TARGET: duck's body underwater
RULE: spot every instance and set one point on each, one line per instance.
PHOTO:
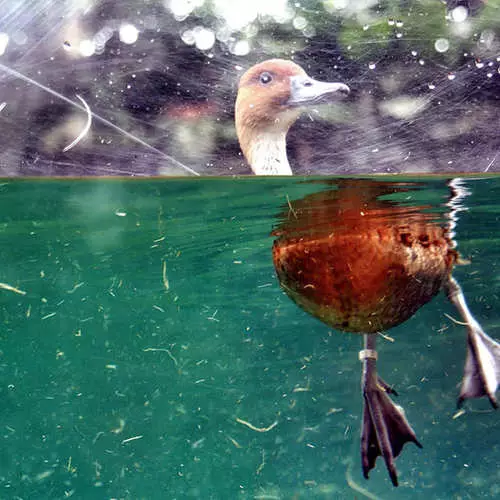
(363, 265)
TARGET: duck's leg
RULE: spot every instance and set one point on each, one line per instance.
(482, 364)
(385, 428)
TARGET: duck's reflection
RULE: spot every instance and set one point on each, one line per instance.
(359, 257)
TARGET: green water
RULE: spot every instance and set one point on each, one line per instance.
(152, 320)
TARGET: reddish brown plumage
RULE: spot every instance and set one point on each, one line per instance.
(261, 108)
(258, 104)
(358, 263)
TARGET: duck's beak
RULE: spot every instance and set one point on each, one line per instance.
(305, 91)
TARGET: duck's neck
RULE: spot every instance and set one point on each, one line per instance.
(266, 153)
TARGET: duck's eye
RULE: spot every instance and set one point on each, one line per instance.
(266, 78)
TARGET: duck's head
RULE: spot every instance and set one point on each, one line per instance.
(271, 96)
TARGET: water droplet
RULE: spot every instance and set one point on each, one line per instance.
(441, 45)
(309, 31)
(188, 37)
(299, 22)
(459, 14)
(487, 37)
(128, 33)
(372, 65)
(4, 40)
(241, 48)
(87, 48)
(204, 38)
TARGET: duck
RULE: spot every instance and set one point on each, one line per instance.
(271, 96)
(362, 263)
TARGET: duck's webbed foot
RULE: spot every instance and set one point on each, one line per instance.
(385, 429)
(482, 364)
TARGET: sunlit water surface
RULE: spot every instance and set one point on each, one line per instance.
(145, 329)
